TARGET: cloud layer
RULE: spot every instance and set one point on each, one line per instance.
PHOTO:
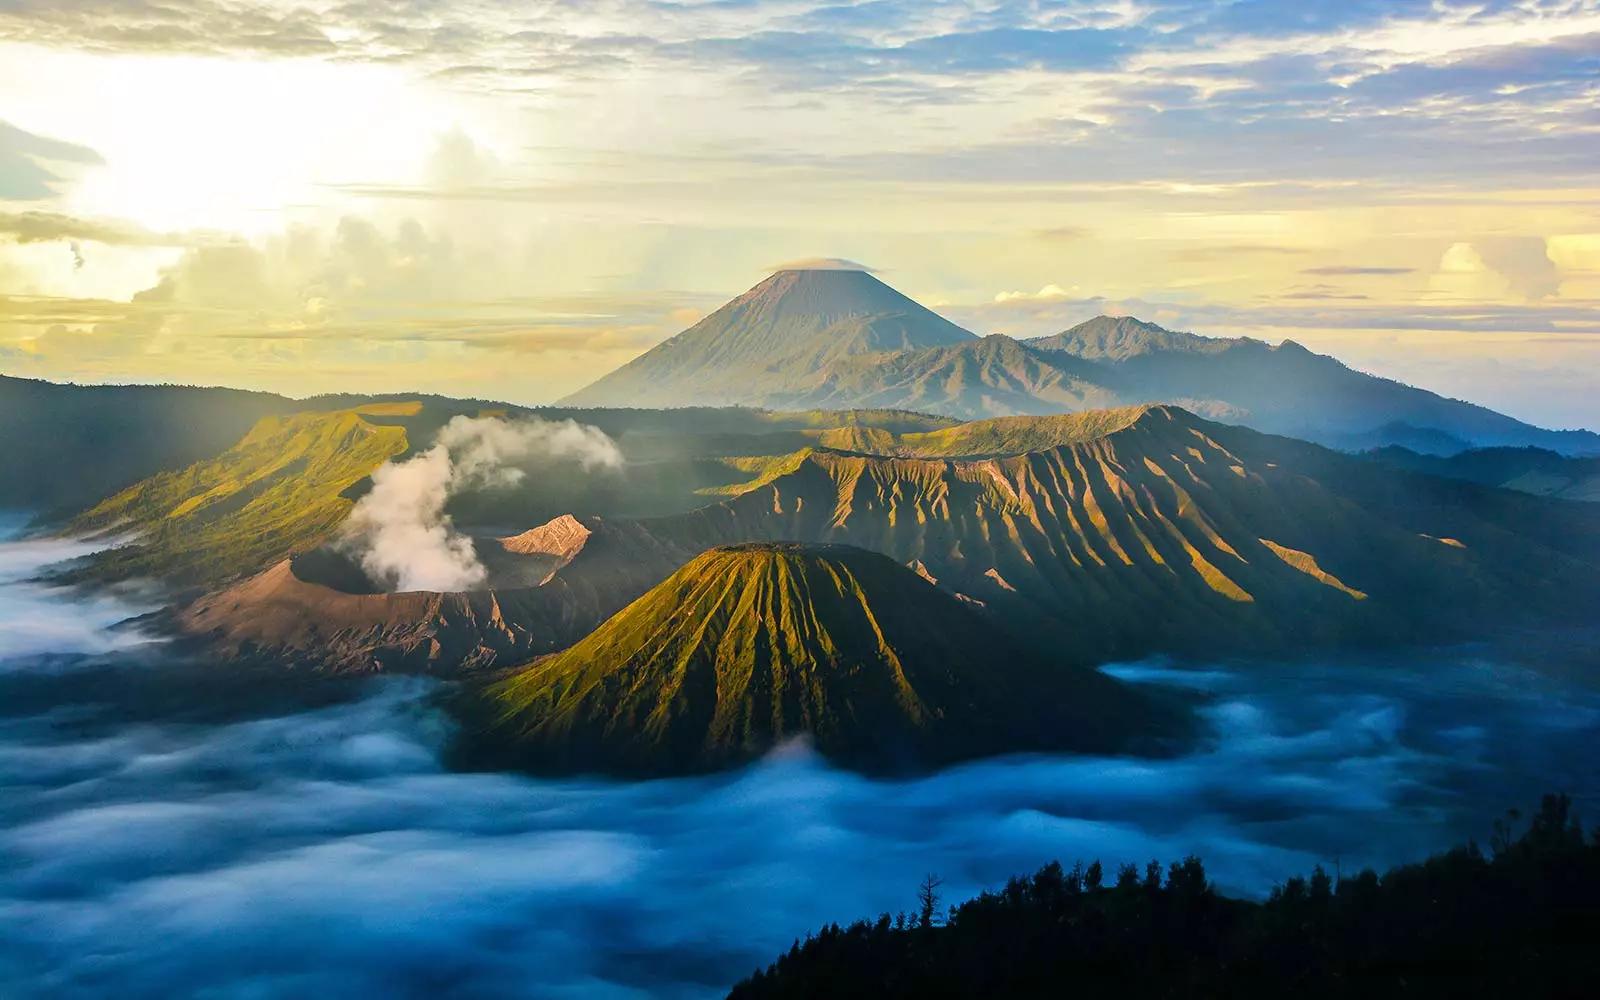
(325, 851)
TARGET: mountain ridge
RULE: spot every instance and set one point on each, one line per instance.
(840, 339)
(1111, 535)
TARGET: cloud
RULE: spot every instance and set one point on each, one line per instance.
(1575, 253)
(821, 264)
(1353, 271)
(399, 530)
(1061, 234)
(41, 624)
(52, 227)
(24, 175)
(1049, 293)
(357, 283)
(1524, 262)
(205, 27)
(1209, 254)
(1464, 275)
(1324, 294)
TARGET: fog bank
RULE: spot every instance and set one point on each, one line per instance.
(326, 852)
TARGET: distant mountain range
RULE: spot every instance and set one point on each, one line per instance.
(844, 339)
(1527, 470)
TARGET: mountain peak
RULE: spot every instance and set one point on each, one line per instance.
(775, 341)
(752, 644)
(1118, 338)
(825, 293)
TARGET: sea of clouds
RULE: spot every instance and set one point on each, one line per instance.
(326, 852)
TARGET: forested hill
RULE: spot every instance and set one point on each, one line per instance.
(1519, 921)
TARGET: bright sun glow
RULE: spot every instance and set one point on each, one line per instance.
(203, 143)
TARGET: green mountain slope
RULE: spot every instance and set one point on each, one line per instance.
(996, 437)
(751, 645)
(770, 341)
(280, 489)
(289, 482)
(64, 447)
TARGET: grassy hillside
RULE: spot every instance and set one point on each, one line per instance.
(290, 480)
(998, 436)
(278, 490)
(750, 645)
(64, 447)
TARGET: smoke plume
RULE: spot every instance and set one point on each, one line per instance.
(400, 531)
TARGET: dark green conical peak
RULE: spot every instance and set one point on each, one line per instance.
(751, 645)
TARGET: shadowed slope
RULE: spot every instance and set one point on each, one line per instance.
(1527, 470)
(1118, 338)
(750, 645)
(63, 447)
(1283, 389)
(980, 378)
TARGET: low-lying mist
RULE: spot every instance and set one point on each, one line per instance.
(41, 622)
(399, 530)
(326, 852)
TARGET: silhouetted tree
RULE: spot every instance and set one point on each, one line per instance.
(1093, 877)
(928, 899)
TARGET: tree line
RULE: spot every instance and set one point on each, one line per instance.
(1521, 919)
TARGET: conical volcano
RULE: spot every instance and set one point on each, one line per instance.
(751, 645)
(773, 341)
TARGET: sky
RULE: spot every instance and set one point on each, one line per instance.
(506, 200)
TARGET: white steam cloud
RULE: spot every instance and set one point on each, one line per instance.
(400, 531)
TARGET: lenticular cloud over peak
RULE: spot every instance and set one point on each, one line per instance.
(822, 264)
